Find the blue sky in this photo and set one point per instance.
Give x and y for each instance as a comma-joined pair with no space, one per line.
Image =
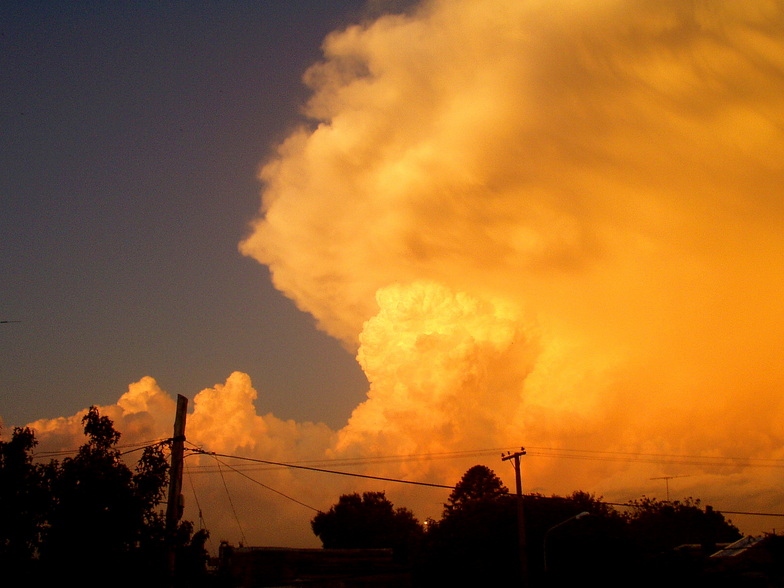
131,139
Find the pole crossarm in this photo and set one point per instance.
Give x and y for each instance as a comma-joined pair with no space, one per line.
516,456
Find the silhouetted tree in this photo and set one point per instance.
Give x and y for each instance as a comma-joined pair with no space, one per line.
479,484
148,485
576,537
24,500
367,521
96,513
658,525
95,521
475,542
617,549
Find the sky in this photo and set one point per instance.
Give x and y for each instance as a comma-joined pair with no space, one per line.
402,238
131,140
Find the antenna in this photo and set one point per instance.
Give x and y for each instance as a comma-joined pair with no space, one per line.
667,482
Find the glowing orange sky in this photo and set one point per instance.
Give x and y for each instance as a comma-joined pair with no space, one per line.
546,224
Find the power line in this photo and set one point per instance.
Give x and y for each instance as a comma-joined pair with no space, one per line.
399,457
427,484
658,458
133,447
722,511
756,514
265,486
354,462
533,451
195,498
325,471
202,522
231,503
144,447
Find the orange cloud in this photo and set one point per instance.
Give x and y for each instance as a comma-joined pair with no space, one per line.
557,226
606,172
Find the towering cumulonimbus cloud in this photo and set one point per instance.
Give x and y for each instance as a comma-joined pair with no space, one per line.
525,149
552,224
557,223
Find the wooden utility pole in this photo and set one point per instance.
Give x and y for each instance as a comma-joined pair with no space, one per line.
520,514
174,504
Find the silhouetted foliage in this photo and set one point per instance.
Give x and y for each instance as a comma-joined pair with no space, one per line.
94,508
479,484
475,541
23,501
367,521
658,525
569,540
573,538
89,519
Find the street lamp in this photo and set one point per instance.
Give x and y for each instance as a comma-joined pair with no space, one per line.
578,516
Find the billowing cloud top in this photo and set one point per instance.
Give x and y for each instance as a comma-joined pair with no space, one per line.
609,170
601,180
527,150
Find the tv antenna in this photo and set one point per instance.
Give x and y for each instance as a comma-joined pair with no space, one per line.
667,482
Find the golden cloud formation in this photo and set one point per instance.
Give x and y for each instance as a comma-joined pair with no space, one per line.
551,224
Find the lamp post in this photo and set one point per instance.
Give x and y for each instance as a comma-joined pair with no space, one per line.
578,516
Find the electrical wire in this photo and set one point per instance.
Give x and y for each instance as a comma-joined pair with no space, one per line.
756,514
531,451
195,497
144,447
202,523
364,461
134,447
267,487
353,474
231,503
325,471
655,458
